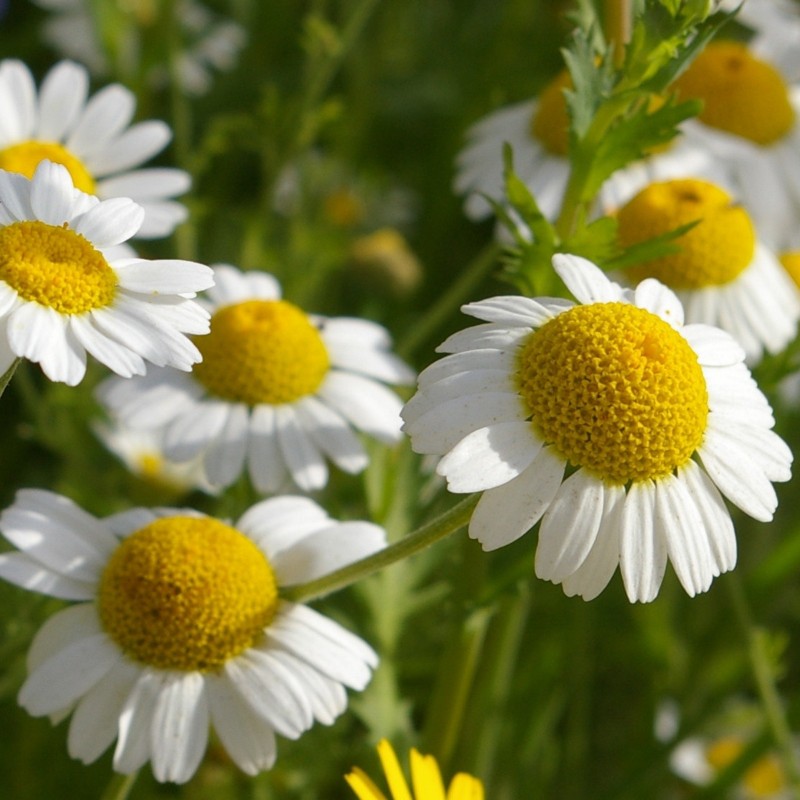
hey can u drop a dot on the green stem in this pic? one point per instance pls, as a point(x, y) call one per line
point(119, 787)
point(6, 377)
point(449, 522)
point(456, 679)
point(618, 19)
point(442, 309)
point(764, 677)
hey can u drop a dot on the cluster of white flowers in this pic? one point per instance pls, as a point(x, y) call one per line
point(621, 422)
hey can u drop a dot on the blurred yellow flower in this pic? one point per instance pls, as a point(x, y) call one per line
point(426, 780)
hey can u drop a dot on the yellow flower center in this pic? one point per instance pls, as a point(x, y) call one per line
point(741, 94)
point(791, 263)
point(763, 779)
point(186, 593)
point(261, 351)
point(616, 390)
point(24, 157)
point(712, 253)
point(55, 267)
point(550, 121)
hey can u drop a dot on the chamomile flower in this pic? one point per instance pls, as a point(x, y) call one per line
point(142, 453)
point(537, 131)
point(426, 780)
point(60, 297)
point(723, 274)
point(92, 137)
point(749, 123)
point(179, 625)
point(650, 421)
point(278, 390)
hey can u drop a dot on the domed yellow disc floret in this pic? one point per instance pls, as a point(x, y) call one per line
point(55, 267)
point(186, 593)
point(24, 157)
point(741, 94)
point(765, 778)
point(550, 121)
point(712, 253)
point(261, 351)
point(616, 390)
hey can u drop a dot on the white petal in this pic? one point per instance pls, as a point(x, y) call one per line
point(71, 624)
point(511, 510)
point(510, 311)
point(130, 149)
point(23, 571)
point(652, 295)
point(302, 457)
point(52, 193)
point(494, 360)
point(42, 335)
point(569, 527)
point(68, 675)
point(180, 727)
point(442, 428)
point(714, 347)
point(327, 550)
point(594, 574)
point(15, 195)
point(716, 517)
point(136, 722)
point(737, 476)
point(324, 644)
point(232, 285)
point(164, 276)
point(192, 432)
point(113, 354)
point(248, 738)
point(585, 280)
point(331, 434)
point(489, 335)
point(141, 185)
point(281, 522)
point(61, 99)
point(58, 534)
point(94, 722)
point(18, 99)
point(265, 463)
point(679, 523)
point(643, 551)
point(270, 691)
point(490, 457)
point(224, 458)
point(107, 112)
point(110, 222)
point(451, 387)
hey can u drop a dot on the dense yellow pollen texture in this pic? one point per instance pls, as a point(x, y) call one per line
point(186, 593)
point(24, 157)
point(55, 267)
point(616, 390)
point(741, 94)
point(550, 121)
point(261, 351)
point(714, 252)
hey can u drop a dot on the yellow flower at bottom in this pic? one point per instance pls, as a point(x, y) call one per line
point(426, 780)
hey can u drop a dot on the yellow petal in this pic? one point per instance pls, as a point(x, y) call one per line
point(426, 777)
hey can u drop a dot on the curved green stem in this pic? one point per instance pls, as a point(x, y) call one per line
point(764, 678)
point(119, 787)
point(449, 522)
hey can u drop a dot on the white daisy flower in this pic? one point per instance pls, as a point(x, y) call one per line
point(179, 624)
point(656, 421)
point(142, 453)
point(723, 274)
point(92, 137)
point(277, 390)
point(60, 297)
point(537, 132)
point(749, 123)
